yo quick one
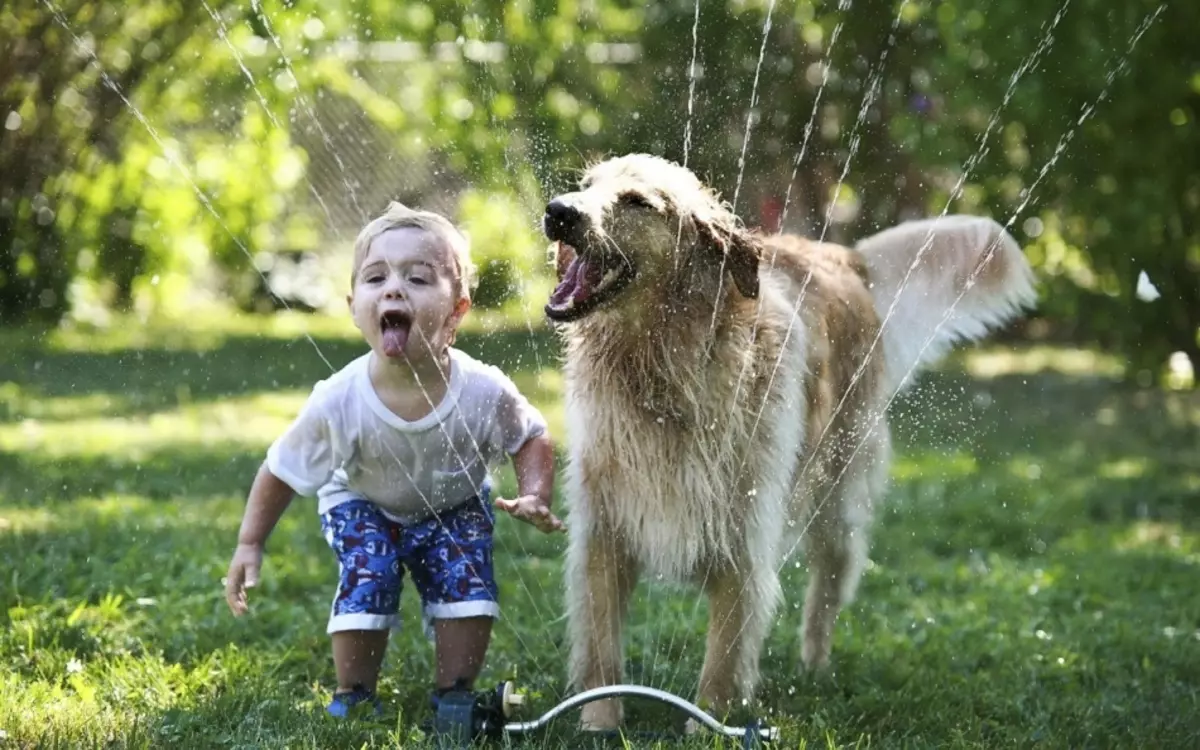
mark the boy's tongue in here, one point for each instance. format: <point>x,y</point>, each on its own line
<point>395,336</point>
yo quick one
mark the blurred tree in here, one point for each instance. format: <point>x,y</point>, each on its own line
<point>1094,158</point>
<point>288,122</point>
<point>67,66</point>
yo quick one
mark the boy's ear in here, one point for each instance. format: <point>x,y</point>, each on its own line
<point>460,310</point>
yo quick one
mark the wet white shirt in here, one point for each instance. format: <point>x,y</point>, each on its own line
<point>347,444</point>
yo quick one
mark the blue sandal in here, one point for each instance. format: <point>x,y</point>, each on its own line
<point>343,703</point>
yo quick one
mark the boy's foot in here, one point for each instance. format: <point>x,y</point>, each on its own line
<point>426,725</point>
<point>435,699</point>
<point>343,703</point>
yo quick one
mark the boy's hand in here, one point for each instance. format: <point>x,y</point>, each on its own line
<point>243,574</point>
<point>532,509</point>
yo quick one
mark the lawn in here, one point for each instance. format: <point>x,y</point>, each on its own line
<point>1034,579</point>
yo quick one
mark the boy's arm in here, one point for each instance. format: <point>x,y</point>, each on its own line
<point>534,466</point>
<point>269,498</point>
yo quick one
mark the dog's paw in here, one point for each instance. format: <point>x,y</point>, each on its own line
<point>601,716</point>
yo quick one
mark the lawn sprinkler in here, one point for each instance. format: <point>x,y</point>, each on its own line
<point>463,716</point>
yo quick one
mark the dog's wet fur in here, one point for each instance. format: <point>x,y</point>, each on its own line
<point>726,394</point>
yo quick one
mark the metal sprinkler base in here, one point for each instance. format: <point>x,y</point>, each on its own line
<point>463,716</point>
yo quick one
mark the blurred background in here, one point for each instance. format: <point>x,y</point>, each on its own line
<point>180,185</point>
<point>158,153</point>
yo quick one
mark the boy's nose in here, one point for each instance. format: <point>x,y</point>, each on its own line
<point>393,288</point>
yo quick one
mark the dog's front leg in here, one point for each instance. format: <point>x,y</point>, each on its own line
<point>740,610</point>
<point>600,578</point>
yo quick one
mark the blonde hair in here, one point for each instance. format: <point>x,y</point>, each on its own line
<point>399,216</point>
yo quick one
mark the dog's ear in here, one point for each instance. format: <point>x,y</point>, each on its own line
<point>740,251</point>
<point>744,255</point>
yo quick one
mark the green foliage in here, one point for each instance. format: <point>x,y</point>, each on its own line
<point>504,245</point>
<point>70,68</point>
<point>295,129</point>
<point>1122,196</point>
<point>1032,577</point>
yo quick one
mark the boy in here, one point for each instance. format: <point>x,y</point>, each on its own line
<point>397,446</point>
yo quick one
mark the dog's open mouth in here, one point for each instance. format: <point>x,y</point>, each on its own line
<point>394,326</point>
<point>586,283</point>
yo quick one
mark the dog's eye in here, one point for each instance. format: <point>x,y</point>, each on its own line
<point>635,199</point>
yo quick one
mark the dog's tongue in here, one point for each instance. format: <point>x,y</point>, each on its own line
<point>394,338</point>
<point>578,282</point>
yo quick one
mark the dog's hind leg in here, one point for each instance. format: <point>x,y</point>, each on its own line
<point>836,548</point>
<point>601,576</point>
<point>741,607</point>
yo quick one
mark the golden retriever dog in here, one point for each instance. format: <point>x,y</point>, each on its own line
<point>726,394</point>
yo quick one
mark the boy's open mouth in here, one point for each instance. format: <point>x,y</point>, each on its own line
<point>394,325</point>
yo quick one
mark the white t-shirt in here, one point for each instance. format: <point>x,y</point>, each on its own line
<point>346,443</point>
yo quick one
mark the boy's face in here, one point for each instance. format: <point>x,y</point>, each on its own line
<point>403,299</point>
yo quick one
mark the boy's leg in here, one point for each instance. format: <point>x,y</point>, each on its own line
<point>451,567</point>
<point>357,657</point>
<point>368,598</point>
<point>461,645</point>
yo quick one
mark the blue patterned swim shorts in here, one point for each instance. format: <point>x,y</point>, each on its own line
<point>448,557</point>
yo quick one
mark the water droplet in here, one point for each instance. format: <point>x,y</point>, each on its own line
<point>1146,291</point>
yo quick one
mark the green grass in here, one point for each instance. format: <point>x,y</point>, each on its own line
<point>1035,575</point>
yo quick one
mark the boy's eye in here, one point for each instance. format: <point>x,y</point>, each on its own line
<point>374,278</point>
<point>419,280</point>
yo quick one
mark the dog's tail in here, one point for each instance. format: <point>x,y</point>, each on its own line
<point>920,269</point>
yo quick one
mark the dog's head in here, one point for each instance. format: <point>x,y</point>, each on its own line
<point>643,225</point>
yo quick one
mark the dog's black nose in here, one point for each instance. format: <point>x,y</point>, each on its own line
<point>562,220</point>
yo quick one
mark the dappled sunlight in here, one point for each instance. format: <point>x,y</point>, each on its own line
<point>994,362</point>
<point>1169,538</point>
<point>133,512</point>
<point>27,402</point>
<point>250,422</point>
<point>208,327</point>
<point>1123,468</point>
<point>199,329</point>
<point>1025,467</point>
<point>915,465</point>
